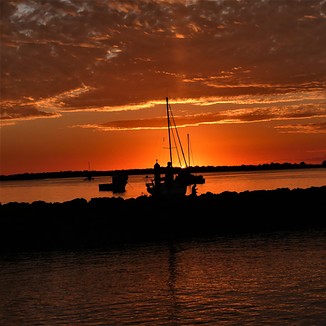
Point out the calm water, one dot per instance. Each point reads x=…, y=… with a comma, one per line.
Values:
x=275, y=279
x=60, y=190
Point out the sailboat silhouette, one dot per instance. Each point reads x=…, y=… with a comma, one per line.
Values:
x=89, y=176
x=172, y=183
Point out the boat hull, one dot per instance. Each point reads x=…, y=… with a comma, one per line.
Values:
x=111, y=187
x=118, y=184
x=164, y=190
x=190, y=179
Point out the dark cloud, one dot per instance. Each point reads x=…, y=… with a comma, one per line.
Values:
x=131, y=52
x=23, y=112
x=309, y=128
x=247, y=114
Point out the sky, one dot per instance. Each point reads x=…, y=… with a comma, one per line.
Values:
x=84, y=82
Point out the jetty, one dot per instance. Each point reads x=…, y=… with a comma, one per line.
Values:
x=110, y=221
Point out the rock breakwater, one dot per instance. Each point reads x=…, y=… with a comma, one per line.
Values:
x=106, y=221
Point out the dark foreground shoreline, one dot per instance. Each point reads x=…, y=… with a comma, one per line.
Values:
x=101, y=222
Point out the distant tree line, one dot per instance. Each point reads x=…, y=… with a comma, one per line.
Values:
x=193, y=169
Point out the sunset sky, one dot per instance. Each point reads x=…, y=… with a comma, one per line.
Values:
x=84, y=82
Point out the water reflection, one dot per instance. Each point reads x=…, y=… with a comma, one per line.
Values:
x=172, y=278
x=276, y=279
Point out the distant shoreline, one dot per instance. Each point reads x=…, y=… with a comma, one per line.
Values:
x=194, y=169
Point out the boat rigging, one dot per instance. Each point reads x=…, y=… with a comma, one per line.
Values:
x=171, y=184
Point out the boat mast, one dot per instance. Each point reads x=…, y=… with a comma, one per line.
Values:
x=169, y=127
x=188, y=150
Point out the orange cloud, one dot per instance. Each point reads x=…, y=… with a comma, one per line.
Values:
x=134, y=52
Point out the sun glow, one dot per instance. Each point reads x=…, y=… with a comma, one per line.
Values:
x=87, y=82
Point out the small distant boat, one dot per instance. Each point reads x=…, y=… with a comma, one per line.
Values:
x=89, y=176
x=118, y=184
